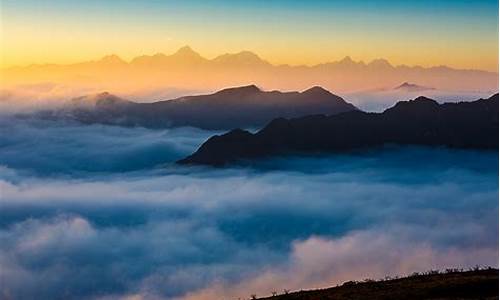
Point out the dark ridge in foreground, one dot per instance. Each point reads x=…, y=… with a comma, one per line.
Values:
x=246, y=106
x=466, y=125
x=479, y=284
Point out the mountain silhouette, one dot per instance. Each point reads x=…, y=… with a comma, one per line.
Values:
x=422, y=121
x=184, y=57
x=411, y=87
x=187, y=69
x=243, y=58
x=246, y=106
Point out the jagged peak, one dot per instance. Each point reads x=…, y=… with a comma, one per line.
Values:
x=240, y=57
x=347, y=61
x=149, y=58
x=184, y=54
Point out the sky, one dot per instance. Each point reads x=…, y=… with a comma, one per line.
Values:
x=461, y=34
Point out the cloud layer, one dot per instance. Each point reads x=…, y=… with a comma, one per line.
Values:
x=100, y=212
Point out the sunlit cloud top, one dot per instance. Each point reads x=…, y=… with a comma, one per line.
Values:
x=461, y=34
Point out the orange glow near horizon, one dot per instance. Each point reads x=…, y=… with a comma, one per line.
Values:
x=65, y=54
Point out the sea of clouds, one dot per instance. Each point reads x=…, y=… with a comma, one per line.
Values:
x=102, y=212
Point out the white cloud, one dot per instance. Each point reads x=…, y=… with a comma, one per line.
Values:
x=201, y=233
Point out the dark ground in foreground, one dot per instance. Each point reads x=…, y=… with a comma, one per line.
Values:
x=478, y=284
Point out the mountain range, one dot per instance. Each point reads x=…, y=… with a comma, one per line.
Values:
x=422, y=121
x=188, y=70
x=245, y=107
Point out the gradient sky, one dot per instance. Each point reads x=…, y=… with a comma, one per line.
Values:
x=462, y=34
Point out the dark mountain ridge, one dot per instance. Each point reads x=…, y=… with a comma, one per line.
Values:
x=467, y=125
x=246, y=106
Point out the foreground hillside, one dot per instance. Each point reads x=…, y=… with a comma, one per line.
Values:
x=478, y=284
x=423, y=122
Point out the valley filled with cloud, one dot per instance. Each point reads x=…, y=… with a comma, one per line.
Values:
x=103, y=212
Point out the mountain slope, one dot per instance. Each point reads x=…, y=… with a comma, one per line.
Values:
x=246, y=106
x=421, y=121
x=480, y=284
